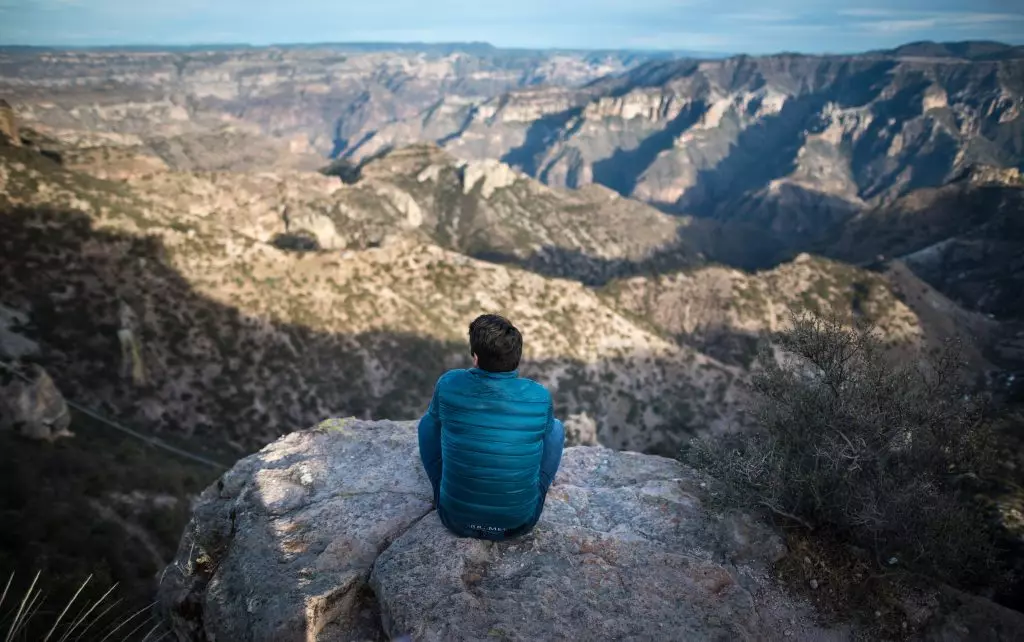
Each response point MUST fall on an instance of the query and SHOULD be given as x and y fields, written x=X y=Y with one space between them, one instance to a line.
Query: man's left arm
x=430 y=440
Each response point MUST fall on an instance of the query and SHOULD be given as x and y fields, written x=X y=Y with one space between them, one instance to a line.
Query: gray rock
x=328 y=535
x=625 y=551
x=13 y=345
x=35 y=409
x=279 y=548
x=970 y=617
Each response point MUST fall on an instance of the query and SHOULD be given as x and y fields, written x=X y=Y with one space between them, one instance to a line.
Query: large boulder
x=13 y=344
x=329 y=535
x=280 y=547
x=33 y=406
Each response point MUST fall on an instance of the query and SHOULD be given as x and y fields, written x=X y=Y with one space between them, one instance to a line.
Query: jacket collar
x=494 y=375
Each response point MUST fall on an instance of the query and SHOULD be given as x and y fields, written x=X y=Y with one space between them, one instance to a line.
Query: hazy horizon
x=704 y=26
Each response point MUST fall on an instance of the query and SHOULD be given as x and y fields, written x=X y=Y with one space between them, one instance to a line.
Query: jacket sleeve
x=430 y=435
x=551 y=417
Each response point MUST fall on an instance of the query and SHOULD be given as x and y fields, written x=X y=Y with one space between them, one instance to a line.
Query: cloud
x=871 y=13
x=897 y=21
x=900 y=25
x=692 y=40
x=761 y=16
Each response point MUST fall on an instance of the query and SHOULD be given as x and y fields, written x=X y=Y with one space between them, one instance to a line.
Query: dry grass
x=101 y=618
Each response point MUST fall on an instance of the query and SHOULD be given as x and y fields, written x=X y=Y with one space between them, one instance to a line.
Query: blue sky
x=752 y=26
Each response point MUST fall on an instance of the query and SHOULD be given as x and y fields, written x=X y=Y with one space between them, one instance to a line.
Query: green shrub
x=885 y=456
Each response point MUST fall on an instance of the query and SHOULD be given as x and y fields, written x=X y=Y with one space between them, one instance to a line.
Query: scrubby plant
x=885 y=456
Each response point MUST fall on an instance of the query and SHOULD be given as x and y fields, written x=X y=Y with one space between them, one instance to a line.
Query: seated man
x=490 y=442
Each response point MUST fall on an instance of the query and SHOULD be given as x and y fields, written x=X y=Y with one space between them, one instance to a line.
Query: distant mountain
x=967 y=50
x=318 y=98
x=793 y=145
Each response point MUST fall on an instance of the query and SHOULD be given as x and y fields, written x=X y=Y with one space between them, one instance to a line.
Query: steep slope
x=251 y=339
x=724 y=312
x=258 y=285
x=966 y=239
x=792 y=143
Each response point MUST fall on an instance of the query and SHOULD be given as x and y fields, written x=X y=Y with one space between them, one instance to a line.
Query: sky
x=722 y=26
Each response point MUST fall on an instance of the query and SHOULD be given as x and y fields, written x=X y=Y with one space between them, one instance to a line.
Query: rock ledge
x=328 y=535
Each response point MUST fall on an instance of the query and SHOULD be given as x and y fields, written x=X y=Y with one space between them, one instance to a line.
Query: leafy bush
x=885 y=456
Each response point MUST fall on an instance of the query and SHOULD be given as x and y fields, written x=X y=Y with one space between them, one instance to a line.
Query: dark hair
x=497 y=343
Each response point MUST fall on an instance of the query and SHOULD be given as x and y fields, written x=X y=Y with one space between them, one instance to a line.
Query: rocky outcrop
x=493 y=174
x=33 y=407
x=8 y=125
x=328 y=535
x=14 y=345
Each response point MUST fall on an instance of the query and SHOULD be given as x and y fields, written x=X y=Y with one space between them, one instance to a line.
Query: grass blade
x=30 y=612
x=78 y=621
x=66 y=607
x=129 y=634
x=7 y=586
x=130 y=618
x=17 y=616
x=152 y=631
x=98 y=618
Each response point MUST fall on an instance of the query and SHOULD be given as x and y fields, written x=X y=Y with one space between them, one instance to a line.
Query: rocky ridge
x=328 y=535
x=300 y=99
x=792 y=144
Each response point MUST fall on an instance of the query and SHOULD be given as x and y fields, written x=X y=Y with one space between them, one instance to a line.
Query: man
x=489 y=441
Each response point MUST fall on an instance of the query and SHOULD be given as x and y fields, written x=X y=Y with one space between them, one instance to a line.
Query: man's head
x=496 y=344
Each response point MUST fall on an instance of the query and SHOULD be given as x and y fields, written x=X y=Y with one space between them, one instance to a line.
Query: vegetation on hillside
x=96 y=505
x=885 y=457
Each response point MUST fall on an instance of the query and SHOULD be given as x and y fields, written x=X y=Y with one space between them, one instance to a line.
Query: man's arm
x=551 y=455
x=430 y=440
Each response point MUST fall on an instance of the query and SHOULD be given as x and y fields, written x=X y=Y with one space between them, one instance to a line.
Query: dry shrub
x=888 y=457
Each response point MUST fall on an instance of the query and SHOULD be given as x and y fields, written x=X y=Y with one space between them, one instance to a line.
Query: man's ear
x=476 y=361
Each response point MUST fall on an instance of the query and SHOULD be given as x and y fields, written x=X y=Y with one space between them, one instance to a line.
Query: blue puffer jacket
x=491 y=427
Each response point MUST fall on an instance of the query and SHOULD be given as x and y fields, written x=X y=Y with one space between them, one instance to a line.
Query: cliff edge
x=328 y=535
